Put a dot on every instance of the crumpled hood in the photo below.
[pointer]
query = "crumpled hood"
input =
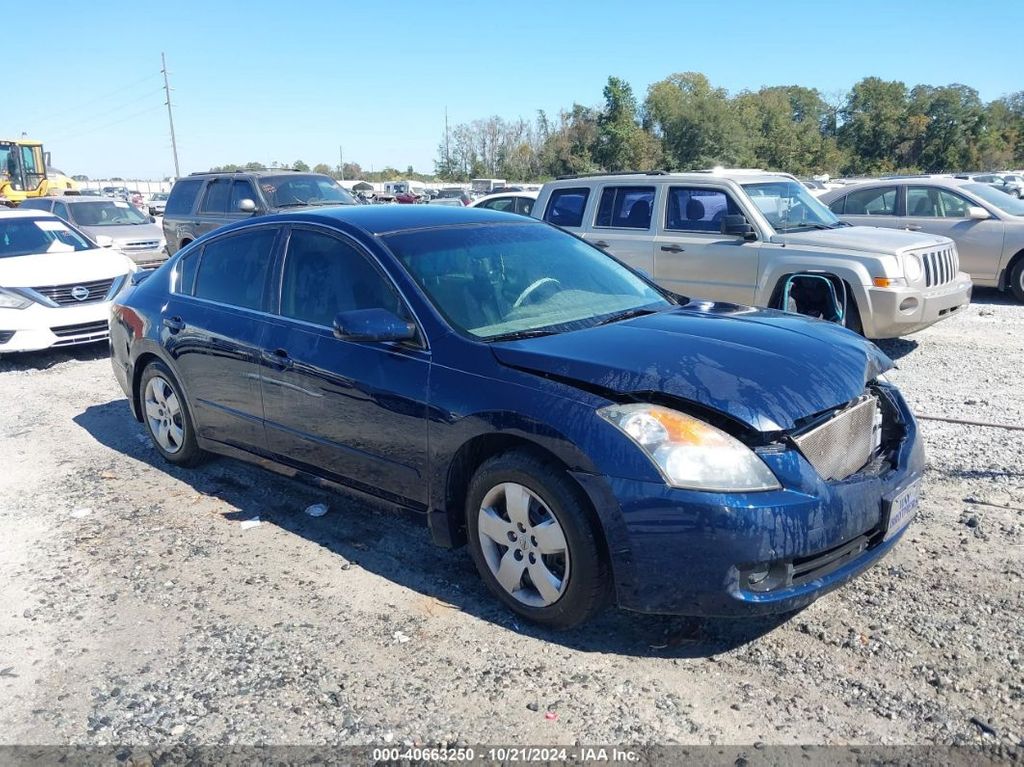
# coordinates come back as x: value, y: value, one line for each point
x: 867, y: 239
x: 764, y: 368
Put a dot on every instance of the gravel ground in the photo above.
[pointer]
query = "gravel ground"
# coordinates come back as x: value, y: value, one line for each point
x: 136, y: 608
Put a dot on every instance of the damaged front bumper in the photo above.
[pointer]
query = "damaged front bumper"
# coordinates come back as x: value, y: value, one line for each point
x: 721, y: 554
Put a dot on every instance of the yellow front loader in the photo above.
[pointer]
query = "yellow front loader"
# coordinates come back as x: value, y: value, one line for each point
x: 24, y: 172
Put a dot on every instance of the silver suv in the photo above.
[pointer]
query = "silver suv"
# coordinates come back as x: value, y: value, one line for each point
x: 986, y: 224
x: 749, y: 236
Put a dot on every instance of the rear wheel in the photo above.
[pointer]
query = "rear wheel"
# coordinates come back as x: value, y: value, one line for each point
x: 1017, y: 280
x: 165, y: 413
x: 534, y: 542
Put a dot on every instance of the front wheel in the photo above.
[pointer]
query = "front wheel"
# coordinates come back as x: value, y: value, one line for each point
x: 165, y: 413
x: 534, y: 542
x: 1017, y: 281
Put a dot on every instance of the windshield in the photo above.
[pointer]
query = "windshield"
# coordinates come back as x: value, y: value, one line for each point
x: 1000, y: 199
x: 788, y: 206
x: 28, y: 236
x: 494, y: 280
x: 294, y: 190
x: 106, y: 213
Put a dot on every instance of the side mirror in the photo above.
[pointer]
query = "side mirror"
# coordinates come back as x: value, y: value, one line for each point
x: 104, y: 240
x: 977, y: 213
x: 736, y: 225
x: 372, y: 325
x: 247, y: 206
x: 152, y: 219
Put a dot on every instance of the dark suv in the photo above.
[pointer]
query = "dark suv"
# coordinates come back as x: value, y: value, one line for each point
x: 202, y: 202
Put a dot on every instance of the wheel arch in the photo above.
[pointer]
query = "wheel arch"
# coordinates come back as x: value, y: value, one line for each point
x: 1011, y: 264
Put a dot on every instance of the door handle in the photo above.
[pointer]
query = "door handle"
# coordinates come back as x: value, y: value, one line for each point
x: 601, y: 244
x: 913, y: 227
x: 672, y: 249
x: 278, y: 358
x: 174, y: 324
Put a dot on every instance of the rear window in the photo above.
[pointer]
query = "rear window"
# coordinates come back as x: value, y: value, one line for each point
x: 880, y: 201
x: 626, y: 207
x: 566, y: 206
x: 183, y: 197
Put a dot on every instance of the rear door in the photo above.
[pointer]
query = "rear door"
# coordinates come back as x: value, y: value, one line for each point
x: 622, y: 224
x: 212, y: 325
x: 872, y: 206
x: 692, y: 256
x: 354, y: 412
x: 936, y: 210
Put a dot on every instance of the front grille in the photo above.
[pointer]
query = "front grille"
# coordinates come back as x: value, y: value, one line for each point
x: 844, y: 443
x: 824, y: 562
x: 82, y: 333
x: 62, y: 294
x: 141, y: 245
x: 940, y: 266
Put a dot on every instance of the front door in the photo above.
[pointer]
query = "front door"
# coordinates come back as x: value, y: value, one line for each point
x: 979, y: 243
x: 691, y: 255
x: 212, y: 326
x: 353, y: 412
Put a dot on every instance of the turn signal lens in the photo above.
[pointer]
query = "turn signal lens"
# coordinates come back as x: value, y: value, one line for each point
x: 882, y: 282
x: 690, y: 453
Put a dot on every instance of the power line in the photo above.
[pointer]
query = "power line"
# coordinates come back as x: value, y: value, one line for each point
x: 92, y: 101
x: 77, y: 133
x: 108, y: 112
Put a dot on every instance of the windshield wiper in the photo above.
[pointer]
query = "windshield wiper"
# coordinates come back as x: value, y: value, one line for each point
x: 627, y: 315
x: 516, y: 335
x: 293, y: 205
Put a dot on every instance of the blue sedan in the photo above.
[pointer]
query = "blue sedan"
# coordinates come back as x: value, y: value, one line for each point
x: 591, y: 437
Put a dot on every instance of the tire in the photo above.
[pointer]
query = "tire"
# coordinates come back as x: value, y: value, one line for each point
x: 501, y: 490
x: 1017, y: 280
x: 166, y: 417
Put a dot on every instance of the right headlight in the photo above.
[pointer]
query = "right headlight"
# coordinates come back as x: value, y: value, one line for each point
x: 11, y: 300
x: 689, y: 453
x: 912, y: 267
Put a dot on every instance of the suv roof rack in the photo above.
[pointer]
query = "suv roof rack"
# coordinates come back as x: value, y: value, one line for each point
x: 259, y: 170
x: 614, y: 173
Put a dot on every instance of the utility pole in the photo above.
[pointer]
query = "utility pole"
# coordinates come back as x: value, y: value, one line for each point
x: 341, y: 162
x: 170, y: 116
x: 447, y: 154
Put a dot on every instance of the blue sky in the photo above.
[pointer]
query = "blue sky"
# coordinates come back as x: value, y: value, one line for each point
x: 285, y: 81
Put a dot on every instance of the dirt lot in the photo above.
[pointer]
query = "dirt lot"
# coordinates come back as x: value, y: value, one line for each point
x: 136, y: 608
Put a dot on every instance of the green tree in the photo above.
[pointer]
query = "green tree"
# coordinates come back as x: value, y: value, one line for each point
x: 622, y: 144
x: 322, y: 167
x: 696, y: 123
x: 873, y: 125
x: 568, y: 148
x: 300, y: 166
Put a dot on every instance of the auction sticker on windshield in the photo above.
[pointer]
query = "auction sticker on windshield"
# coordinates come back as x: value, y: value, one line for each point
x: 902, y: 509
x: 51, y: 226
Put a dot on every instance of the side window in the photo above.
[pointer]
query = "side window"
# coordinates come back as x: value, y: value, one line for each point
x: 953, y: 205
x: 233, y: 269
x: 182, y: 197
x: 324, y: 276
x: 878, y: 201
x: 186, y: 272
x: 524, y: 205
x: 692, y: 209
x: 566, y: 206
x: 240, y: 190
x: 216, y: 198
x: 837, y: 205
x: 928, y: 202
x: 60, y: 209
x: 626, y: 207
x: 502, y: 203
x: 36, y: 205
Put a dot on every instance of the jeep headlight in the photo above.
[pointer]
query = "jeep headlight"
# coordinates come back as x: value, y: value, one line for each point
x: 689, y: 453
x: 11, y: 300
x: 912, y: 267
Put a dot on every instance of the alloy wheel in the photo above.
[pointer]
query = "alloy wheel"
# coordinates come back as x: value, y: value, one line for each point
x: 163, y: 415
x: 523, y: 544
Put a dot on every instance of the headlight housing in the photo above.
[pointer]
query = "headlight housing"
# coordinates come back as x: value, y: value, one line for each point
x: 912, y: 267
x: 11, y: 300
x: 689, y: 453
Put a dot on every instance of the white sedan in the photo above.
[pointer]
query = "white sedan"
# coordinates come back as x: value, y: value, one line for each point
x: 509, y: 202
x: 55, y: 283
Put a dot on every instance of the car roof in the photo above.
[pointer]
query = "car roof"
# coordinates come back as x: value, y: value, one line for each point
x: 737, y: 175
x: 383, y: 219
x: 74, y: 198
x: 264, y: 172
